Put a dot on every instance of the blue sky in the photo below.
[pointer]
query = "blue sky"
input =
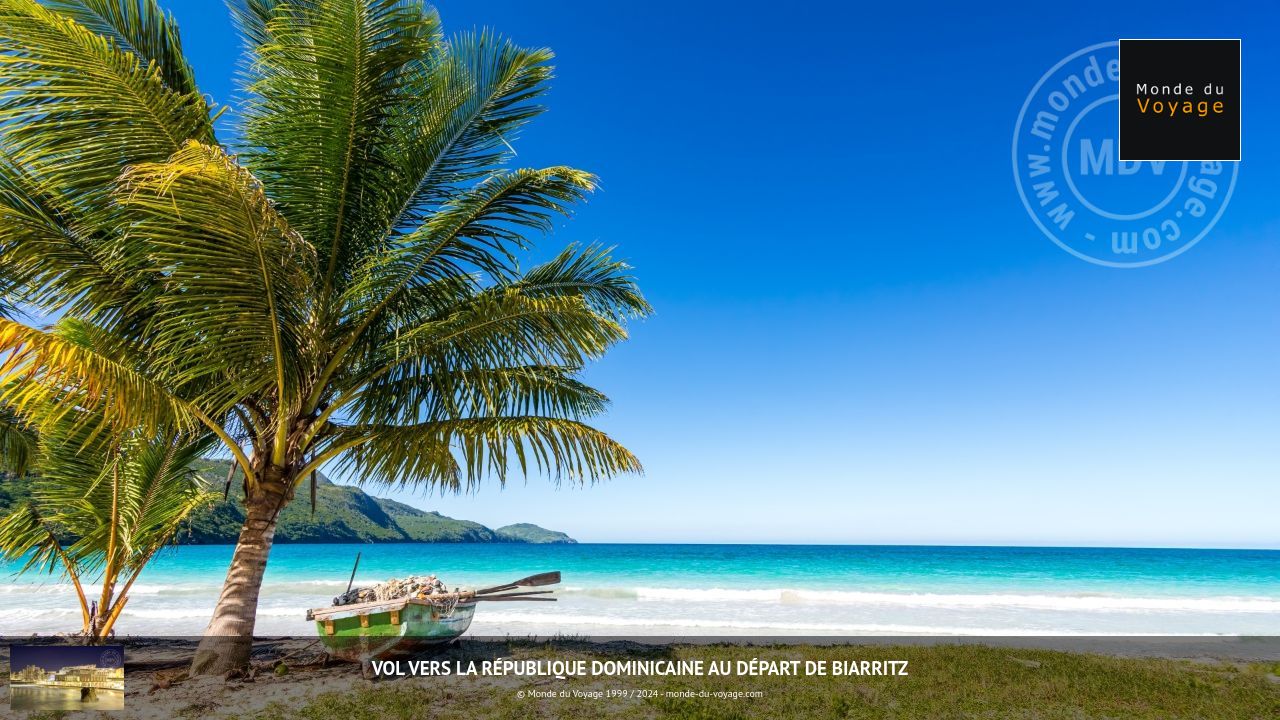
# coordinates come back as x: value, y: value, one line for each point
x: 861, y: 337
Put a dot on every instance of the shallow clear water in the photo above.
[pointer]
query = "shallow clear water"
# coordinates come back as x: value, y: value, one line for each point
x: 728, y: 589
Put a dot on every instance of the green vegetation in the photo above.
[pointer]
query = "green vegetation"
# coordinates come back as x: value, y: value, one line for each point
x: 948, y: 681
x: 17, y: 443
x: 341, y: 282
x: 343, y: 514
x: 530, y: 533
x: 100, y: 508
x: 14, y: 491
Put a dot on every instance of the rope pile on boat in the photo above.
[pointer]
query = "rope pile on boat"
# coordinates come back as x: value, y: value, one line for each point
x: 413, y: 586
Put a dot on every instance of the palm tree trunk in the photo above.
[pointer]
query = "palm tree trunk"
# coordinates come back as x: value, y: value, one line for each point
x: 123, y: 597
x: 75, y: 581
x: 229, y: 637
x: 110, y: 571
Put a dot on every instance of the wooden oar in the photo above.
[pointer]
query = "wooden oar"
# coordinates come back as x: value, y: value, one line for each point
x: 353, y: 572
x: 516, y: 594
x: 547, y: 578
x: 514, y: 598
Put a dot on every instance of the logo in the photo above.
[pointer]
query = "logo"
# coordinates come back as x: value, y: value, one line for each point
x: 1069, y: 175
x: 110, y: 658
x: 1180, y: 100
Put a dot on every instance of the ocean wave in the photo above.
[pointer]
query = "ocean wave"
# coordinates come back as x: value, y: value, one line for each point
x: 312, y: 591
x: 292, y: 587
x: 608, y: 593
x: 49, y: 588
x: 544, y: 623
x: 67, y: 589
x: 206, y: 611
x: 1080, y: 602
x: 31, y: 613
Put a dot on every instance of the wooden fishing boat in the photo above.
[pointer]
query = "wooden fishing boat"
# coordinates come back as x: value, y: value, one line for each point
x: 388, y: 629
x: 361, y: 632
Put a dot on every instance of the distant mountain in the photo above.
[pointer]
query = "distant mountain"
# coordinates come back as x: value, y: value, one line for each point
x: 343, y: 514
x: 530, y: 533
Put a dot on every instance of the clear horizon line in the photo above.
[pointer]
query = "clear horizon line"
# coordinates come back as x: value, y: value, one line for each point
x: 1033, y: 546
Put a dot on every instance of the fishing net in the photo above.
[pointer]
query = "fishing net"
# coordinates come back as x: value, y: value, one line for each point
x: 446, y: 605
x: 413, y: 586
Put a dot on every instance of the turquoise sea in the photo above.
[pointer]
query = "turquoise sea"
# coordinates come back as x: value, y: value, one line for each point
x: 727, y: 589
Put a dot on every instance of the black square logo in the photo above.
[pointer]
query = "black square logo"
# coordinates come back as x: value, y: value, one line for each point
x: 1179, y: 99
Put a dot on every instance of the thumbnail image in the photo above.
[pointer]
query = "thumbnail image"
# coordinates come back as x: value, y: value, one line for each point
x: 63, y: 677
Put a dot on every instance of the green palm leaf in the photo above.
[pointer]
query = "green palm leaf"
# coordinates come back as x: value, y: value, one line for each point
x: 75, y: 108
x: 472, y: 104
x: 154, y: 487
x: 103, y: 506
x: 205, y: 223
x: 324, y: 84
x: 52, y: 375
x: 457, y: 454
x: 139, y: 27
x: 26, y: 537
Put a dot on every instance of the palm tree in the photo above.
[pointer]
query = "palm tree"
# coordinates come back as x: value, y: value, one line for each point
x: 102, y: 507
x: 340, y: 285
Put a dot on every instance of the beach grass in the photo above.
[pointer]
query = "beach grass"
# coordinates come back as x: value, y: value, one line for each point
x: 944, y: 681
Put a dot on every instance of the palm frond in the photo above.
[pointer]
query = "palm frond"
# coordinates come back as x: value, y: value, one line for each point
x: 140, y: 27
x: 476, y: 231
x: 251, y: 18
x: 51, y: 374
x: 155, y: 491
x: 46, y: 258
x: 325, y: 78
x: 494, y: 329
x: 206, y: 224
x: 473, y: 102
x: 592, y: 274
x: 26, y: 537
x: 456, y: 454
x: 75, y: 108
x: 446, y: 393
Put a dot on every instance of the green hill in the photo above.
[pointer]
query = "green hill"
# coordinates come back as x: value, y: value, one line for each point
x: 343, y: 514
x: 530, y: 533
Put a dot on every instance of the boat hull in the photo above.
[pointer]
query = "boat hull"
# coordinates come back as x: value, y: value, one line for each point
x: 391, y: 629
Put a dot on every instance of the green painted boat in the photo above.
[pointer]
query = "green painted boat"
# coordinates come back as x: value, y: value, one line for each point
x: 361, y: 632
x: 394, y: 628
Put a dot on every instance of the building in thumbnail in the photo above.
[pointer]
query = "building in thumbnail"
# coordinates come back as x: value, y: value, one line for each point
x: 71, y: 675
x: 29, y: 674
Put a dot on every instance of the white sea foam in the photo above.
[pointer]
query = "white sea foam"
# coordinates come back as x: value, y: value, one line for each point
x: 541, y: 622
x: 1077, y: 603
x: 1096, y: 602
x: 27, y: 613
x: 170, y: 613
x: 67, y: 589
x: 206, y: 611
x: 180, y: 605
